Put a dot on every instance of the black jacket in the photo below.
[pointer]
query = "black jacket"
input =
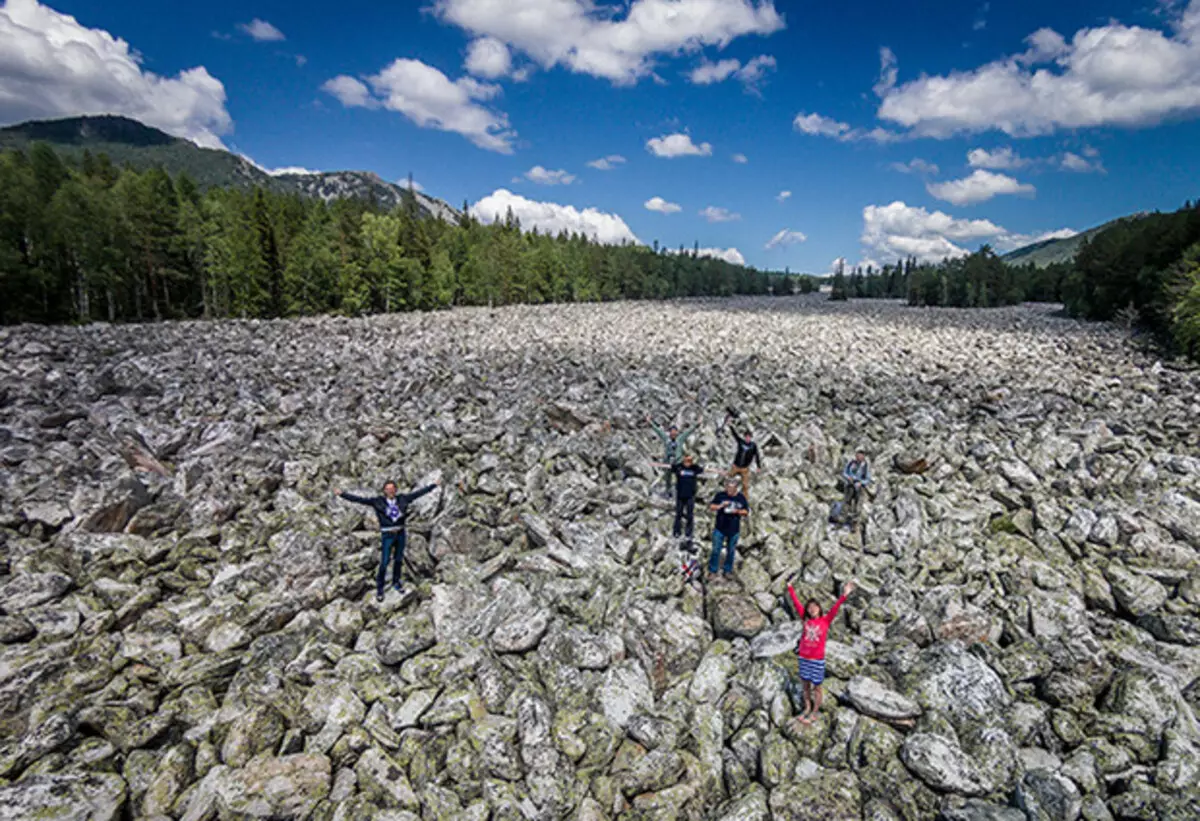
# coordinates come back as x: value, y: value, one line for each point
x: 380, y: 505
x: 746, y: 453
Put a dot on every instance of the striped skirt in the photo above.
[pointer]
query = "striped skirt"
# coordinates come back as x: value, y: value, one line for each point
x: 812, y: 670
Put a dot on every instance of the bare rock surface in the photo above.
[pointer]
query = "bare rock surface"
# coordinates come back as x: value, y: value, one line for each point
x: 188, y: 626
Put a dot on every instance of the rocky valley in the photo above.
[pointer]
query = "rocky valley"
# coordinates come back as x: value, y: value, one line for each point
x: 189, y: 630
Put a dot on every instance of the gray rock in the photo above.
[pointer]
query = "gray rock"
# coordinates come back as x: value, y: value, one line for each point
x: 941, y: 764
x: 1136, y: 594
x: 70, y: 797
x: 1048, y: 796
x: 521, y: 634
x: 872, y: 698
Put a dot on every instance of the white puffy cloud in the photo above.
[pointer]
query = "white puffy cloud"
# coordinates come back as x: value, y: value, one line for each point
x: 289, y: 169
x: 1112, y: 75
x: 551, y: 217
x: 546, y: 176
x: 783, y: 196
x: 489, y: 58
x: 740, y: 159
x: 677, y: 145
x: 262, y: 31
x: 1002, y: 159
x: 818, y: 125
x: 1071, y: 161
x: 52, y: 66
x: 662, y: 206
x: 916, y: 166
x: 901, y: 230
x: 730, y: 255
x: 589, y: 38
x: 431, y: 100
x: 714, y: 214
x: 784, y: 238
x: 749, y: 75
x: 981, y: 186
x: 606, y: 163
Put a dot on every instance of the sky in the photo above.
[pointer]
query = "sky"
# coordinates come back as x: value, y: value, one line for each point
x: 782, y: 134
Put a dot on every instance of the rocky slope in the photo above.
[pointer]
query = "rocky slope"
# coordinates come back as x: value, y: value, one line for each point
x: 189, y: 627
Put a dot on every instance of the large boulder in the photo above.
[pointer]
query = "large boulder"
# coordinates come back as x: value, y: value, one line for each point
x: 64, y: 797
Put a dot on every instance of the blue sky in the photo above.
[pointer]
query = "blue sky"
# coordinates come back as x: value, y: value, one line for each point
x: 919, y: 128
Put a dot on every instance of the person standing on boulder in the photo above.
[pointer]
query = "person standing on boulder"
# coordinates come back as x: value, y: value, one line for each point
x: 392, y: 512
x: 746, y: 455
x: 811, y: 647
x: 673, y: 442
x: 730, y: 506
x: 856, y: 477
x: 686, y: 474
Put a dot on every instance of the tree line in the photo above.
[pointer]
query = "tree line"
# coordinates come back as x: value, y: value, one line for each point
x: 1144, y: 270
x: 83, y: 241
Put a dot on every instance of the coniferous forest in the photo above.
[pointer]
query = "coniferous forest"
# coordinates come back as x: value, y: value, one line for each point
x: 89, y: 241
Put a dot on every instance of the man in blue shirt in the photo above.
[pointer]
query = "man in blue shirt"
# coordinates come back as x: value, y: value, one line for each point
x: 856, y: 477
x: 730, y: 506
x: 686, y: 474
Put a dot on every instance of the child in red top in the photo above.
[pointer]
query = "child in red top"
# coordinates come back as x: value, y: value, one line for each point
x: 811, y: 648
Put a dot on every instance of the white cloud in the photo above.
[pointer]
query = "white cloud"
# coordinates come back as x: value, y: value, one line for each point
x: 1001, y: 159
x: 594, y: 39
x: 351, y: 92
x: 290, y: 169
x: 714, y: 214
x: 545, y: 176
x: 981, y: 186
x: 749, y: 75
x: 488, y: 57
x: 818, y: 125
x: 730, y: 255
x: 431, y: 100
x: 916, y: 166
x: 900, y: 230
x: 550, y: 217
x: 740, y: 159
x: 785, y: 238
x: 1113, y: 75
x: 262, y: 31
x: 1080, y: 165
x: 888, y: 72
x: 606, y: 163
x: 662, y: 206
x: 677, y: 145
x: 783, y: 196
x: 51, y: 66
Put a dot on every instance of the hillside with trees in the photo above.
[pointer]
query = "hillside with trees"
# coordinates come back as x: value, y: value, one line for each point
x: 1144, y: 270
x: 85, y: 240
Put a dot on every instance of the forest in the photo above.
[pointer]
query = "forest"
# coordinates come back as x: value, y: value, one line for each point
x: 1143, y: 271
x: 86, y: 241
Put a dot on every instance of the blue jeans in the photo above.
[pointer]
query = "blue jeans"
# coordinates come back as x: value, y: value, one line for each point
x: 729, y: 541
x: 393, y: 546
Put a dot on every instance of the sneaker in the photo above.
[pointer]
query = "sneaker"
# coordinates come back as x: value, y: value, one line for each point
x: 398, y: 587
x: 379, y: 596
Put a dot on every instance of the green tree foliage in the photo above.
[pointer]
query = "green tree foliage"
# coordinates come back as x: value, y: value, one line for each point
x: 82, y: 240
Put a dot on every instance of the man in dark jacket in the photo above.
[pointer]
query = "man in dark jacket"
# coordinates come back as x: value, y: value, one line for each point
x: 392, y: 512
x: 746, y: 455
x: 686, y: 473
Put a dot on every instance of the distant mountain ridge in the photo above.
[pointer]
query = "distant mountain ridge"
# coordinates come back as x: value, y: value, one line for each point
x: 129, y: 142
x: 1051, y: 251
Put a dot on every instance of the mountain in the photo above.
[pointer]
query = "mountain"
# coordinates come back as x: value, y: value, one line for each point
x: 129, y: 142
x: 1051, y: 251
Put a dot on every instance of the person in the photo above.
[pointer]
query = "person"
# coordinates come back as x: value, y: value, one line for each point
x: 856, y: 477
x: 686, y: 473
x: 747, y: 454
x: 810, y: 650
x: 673, y: 442
x: 730, y: 506
x: 392, y: 512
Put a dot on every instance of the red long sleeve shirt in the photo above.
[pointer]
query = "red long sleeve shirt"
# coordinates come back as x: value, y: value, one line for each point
x: 812, y: 641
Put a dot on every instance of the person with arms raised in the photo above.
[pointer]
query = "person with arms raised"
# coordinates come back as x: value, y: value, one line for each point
x: 392, y: 512
x: 811, y: 647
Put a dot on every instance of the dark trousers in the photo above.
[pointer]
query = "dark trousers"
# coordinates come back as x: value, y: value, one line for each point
x: 393, y: 546
x: 685, y: 511
x: 852, y: 502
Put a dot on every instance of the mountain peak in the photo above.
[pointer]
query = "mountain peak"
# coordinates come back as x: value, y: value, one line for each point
x: 105, y: 128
